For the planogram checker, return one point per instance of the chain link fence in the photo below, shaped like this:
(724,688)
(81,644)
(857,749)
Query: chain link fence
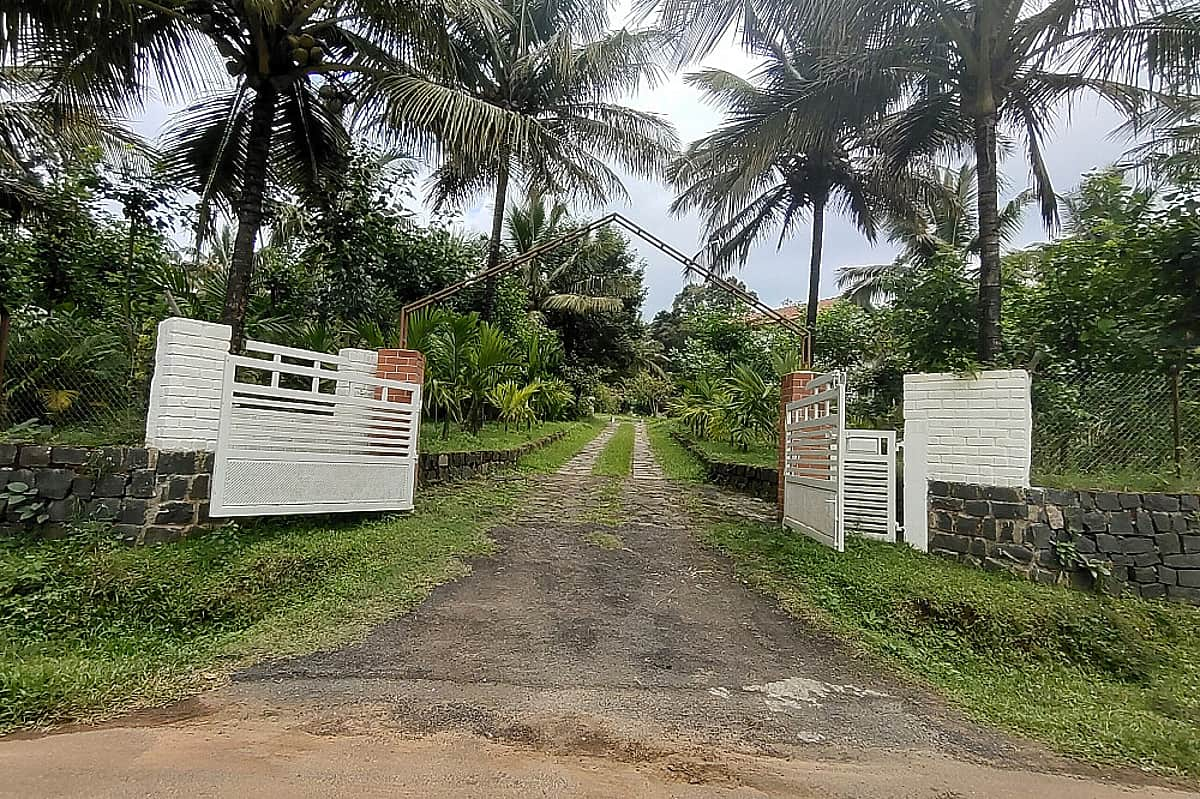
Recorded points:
(1134,427)
(74,381)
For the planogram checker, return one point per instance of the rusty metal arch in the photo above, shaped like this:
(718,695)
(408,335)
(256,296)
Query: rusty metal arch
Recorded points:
(612,219)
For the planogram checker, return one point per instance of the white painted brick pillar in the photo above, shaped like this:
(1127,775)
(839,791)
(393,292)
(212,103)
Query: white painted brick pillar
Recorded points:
(185,393)
(361,363)
(965,429)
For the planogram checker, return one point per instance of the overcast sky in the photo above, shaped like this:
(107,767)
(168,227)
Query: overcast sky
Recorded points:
(1076,145)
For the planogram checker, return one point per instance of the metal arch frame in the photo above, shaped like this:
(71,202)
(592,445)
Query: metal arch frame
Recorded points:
(613,218)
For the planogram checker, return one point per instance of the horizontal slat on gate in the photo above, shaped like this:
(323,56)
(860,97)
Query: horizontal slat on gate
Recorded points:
(870,483)
(294,399)
(346,442)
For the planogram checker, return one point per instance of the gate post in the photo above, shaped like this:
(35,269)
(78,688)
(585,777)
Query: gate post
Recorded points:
(794,386)
(404,365)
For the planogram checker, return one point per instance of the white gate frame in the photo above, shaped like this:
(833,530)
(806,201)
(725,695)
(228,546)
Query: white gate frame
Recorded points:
(870,483)
(814,447)
(346,441)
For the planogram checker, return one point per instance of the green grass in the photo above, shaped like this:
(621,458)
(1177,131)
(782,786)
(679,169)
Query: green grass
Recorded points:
(677,463)
(616,459)
(550,457)
(1109,680)
(90,628)
(759,453)
(1121,480)
(492,436)
(121,428)
(1104,679)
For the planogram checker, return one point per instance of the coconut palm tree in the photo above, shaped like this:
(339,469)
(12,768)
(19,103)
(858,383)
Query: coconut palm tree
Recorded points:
(546,76)
(274,119)
(971,68)
(784,152)
(946,220)
(558,280)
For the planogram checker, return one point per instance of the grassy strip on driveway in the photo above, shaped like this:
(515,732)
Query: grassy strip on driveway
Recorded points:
(616,459)
(90,627)
(1109,680)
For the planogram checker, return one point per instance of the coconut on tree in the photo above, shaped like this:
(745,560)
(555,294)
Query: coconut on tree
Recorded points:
(273,77)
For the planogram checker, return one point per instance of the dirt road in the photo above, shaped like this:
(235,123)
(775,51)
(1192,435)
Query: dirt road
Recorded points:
(600,652)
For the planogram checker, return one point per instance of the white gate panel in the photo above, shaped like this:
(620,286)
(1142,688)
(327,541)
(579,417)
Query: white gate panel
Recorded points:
(297,436)
(870,482)
(813,463)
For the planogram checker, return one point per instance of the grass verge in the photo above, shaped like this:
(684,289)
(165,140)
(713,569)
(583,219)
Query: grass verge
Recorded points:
(1110,680)
(759,453)
(677,463)
(491,436)
(1121,480)
(90,628)
(616,459)
(1104,679)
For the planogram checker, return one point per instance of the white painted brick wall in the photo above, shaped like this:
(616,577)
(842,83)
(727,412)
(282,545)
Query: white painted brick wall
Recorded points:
(185,394)
(979,429)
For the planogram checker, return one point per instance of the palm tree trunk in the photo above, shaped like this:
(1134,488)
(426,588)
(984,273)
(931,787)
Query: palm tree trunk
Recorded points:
(989,238)
(814,272)
(5,334)
(249,211)
(493,259)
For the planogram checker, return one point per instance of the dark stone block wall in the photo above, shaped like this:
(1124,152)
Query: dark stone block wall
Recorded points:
(442,467)
(1150,542)
(147,496)
(758,481)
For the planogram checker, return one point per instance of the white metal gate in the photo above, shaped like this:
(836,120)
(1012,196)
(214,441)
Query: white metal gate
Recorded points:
(870,483)
(308,432)
(813,462)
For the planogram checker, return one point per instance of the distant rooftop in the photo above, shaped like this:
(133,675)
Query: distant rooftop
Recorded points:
(790,312)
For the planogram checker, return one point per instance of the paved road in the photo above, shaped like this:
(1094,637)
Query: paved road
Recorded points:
(601,651)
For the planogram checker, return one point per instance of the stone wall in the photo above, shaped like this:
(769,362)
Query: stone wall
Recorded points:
(758,481)
(442,467)
(149,496)
(1150,542)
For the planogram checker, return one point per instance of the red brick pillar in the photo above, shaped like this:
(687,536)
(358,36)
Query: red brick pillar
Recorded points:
(792,388)
(404,365)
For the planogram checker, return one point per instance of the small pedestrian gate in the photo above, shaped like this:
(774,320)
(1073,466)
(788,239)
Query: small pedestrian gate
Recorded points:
(836,479)
(308,432)
(813,462)
(870,483)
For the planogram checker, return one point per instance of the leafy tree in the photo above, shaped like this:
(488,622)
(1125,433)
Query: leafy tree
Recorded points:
(1119,293)
(646,393)
(670,327)
(527,95)
(605,340)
